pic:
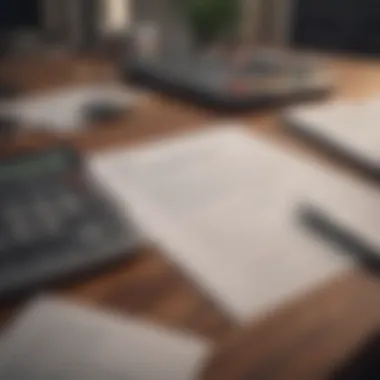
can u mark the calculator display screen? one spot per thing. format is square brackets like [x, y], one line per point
[33, 166]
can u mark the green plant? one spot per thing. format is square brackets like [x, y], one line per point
[211, 19]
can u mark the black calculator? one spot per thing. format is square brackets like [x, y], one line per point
[55, 220]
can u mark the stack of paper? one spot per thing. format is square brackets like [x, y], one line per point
[350, 127]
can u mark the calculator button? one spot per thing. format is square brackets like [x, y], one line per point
[91, 234]
[17, 223]
[46, 215]
[19, 256]
[71, 203]
[4, 246]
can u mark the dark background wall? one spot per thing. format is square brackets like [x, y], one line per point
[345, 25]
[17, 14]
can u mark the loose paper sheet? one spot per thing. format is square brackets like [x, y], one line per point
[57, 340]
[223, 205]
[62, 110]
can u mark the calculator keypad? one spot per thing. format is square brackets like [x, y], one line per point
[53, 221]
[58, 222]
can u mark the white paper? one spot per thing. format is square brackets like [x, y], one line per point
[62, 110]
[57, 340]
[351, 125]
[353, 210]
[222, 205]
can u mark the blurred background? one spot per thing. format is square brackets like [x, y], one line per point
[339, 25]
[73, 73]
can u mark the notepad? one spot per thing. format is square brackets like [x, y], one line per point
[347, 127]
[55, 339]
[222, 204]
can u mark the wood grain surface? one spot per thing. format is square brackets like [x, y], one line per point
[308, 338]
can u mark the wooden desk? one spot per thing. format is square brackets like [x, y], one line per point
[305, 340]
